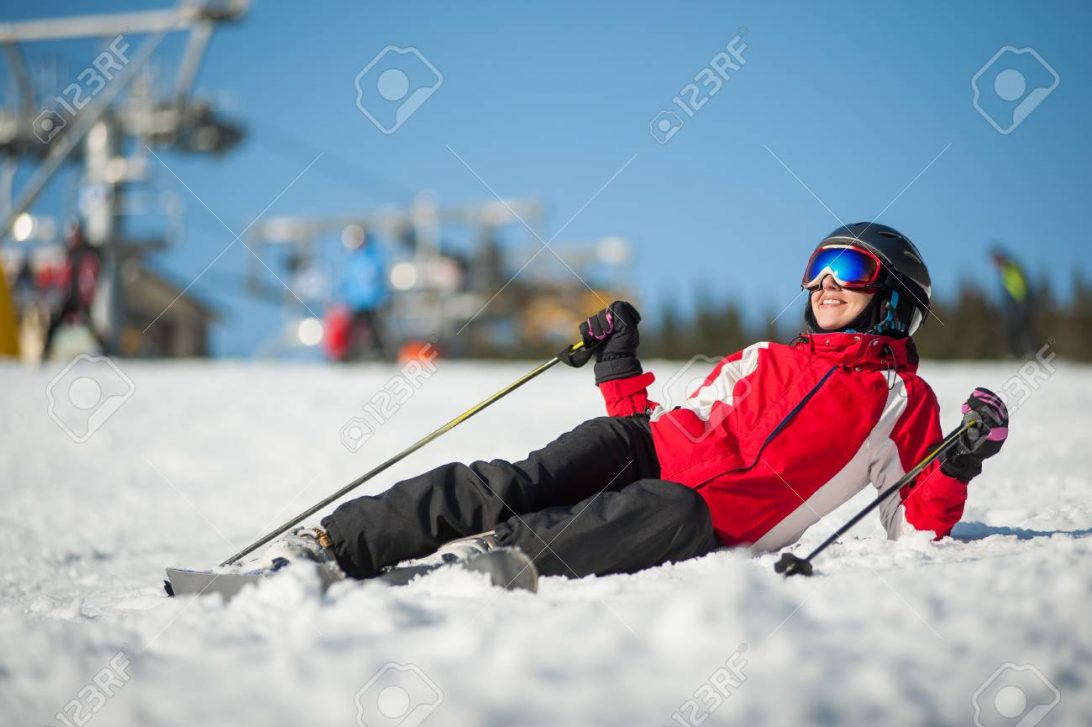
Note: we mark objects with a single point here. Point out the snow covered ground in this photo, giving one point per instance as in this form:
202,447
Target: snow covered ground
203,457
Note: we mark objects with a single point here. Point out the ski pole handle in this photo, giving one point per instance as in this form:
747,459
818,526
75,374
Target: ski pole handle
578,353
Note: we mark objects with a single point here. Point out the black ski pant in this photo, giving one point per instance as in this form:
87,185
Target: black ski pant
590,502
366,336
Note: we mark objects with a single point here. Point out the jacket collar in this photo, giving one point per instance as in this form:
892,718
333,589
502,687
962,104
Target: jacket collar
863,350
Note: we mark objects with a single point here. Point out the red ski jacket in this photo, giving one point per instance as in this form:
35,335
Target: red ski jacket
778,436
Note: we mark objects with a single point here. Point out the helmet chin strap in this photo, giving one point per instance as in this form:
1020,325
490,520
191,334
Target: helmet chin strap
875,314
890,325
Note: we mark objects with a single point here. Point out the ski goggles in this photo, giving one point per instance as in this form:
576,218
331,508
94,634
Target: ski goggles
851,267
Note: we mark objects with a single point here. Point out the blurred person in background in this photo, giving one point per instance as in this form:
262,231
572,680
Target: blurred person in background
1017,304
78,282
31,310
25,287
363,292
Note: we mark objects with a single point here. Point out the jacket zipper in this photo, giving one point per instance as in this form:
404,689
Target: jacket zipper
795,410
777,430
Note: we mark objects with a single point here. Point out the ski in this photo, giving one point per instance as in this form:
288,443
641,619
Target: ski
507,568
185,582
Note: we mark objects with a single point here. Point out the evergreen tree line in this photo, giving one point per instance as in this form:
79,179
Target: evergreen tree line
969,325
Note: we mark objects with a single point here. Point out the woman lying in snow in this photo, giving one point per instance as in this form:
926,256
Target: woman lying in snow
777,437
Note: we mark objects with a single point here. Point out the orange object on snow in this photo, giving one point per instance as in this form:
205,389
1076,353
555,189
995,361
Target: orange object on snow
422,351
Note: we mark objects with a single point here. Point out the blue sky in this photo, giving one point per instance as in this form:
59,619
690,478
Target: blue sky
868,107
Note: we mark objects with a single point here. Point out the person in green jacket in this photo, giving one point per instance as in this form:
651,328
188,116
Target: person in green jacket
1018,304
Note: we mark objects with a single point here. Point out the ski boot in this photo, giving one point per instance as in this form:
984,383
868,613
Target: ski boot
461,549
301,544
507,568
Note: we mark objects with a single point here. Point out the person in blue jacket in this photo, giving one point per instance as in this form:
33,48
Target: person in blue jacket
363,289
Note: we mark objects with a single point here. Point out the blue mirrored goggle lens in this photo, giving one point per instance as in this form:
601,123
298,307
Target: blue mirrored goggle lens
848,265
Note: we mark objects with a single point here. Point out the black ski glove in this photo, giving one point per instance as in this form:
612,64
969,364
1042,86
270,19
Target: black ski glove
611,336
964,460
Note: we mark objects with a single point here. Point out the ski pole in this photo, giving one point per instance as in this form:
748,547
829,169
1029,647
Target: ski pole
790,564
404,453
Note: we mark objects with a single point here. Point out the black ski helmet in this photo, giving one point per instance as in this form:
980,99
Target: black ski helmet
902,303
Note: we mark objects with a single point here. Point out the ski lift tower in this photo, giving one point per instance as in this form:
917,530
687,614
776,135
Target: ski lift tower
93,122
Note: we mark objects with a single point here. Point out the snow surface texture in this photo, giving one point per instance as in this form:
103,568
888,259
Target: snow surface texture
204,457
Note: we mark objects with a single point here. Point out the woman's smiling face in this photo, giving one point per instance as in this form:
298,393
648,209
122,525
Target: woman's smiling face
835,307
